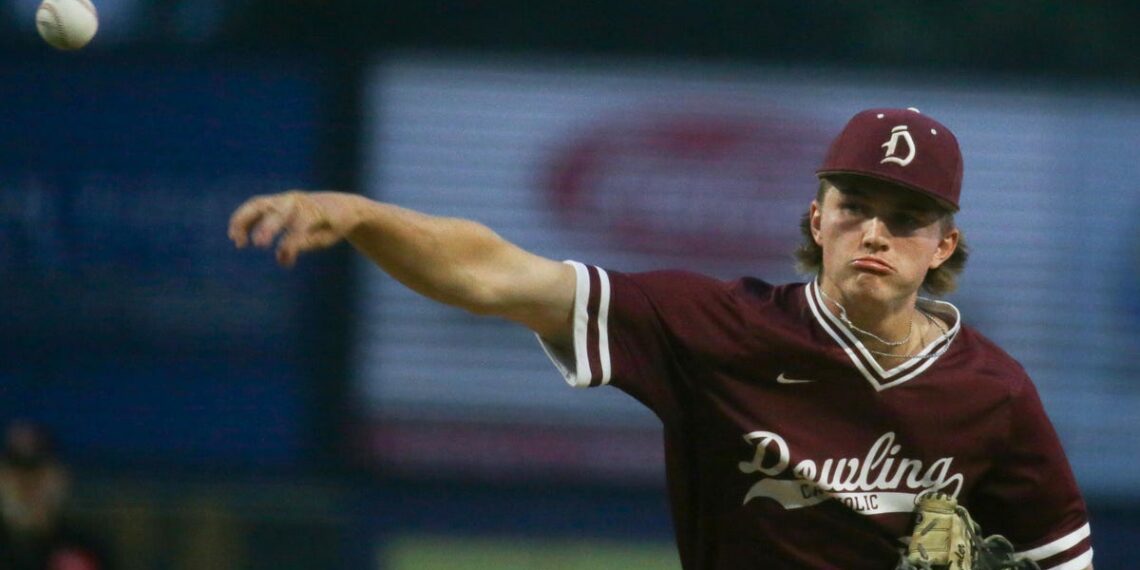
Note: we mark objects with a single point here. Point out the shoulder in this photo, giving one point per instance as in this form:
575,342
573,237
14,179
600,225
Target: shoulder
673,279
994,375
984,357
703,312
685,293
678,285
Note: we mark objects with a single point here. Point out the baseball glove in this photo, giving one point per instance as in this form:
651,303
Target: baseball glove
946,538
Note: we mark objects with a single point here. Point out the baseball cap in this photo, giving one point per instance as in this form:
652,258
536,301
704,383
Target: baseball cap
901,146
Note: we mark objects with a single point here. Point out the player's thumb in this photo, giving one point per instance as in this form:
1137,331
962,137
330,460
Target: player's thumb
293,244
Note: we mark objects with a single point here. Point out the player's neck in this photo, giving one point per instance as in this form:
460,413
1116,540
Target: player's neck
886,326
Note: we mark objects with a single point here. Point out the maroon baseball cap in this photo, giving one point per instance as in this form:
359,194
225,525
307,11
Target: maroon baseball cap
901,146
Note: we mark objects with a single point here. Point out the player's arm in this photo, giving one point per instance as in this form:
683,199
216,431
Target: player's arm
454,261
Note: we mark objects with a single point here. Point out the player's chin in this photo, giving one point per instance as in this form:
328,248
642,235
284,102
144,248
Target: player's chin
873,286
870,279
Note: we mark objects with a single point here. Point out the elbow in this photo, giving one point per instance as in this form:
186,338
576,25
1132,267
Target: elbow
484,299
480,309
475,296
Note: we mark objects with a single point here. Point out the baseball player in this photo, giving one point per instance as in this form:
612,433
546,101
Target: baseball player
803,423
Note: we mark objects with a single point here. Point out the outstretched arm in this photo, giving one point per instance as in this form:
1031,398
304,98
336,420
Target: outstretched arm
454,261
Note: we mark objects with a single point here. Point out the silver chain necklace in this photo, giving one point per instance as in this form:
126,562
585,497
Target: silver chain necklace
944,348
851,325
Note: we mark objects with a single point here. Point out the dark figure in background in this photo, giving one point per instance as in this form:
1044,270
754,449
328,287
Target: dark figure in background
34,487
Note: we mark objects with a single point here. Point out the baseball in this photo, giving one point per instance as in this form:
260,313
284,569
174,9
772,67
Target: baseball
67,24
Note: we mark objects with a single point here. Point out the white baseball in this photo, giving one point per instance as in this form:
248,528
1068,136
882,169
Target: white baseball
67,24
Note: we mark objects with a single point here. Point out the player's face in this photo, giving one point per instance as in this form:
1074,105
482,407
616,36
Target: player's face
878,240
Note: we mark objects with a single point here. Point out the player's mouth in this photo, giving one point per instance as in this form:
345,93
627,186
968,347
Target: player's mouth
872,265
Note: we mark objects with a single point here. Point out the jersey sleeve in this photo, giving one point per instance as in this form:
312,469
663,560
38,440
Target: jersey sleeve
1032,497
638,331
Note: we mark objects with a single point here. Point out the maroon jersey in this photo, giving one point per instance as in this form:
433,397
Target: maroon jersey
788,446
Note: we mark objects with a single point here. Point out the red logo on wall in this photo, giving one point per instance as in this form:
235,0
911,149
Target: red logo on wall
693,184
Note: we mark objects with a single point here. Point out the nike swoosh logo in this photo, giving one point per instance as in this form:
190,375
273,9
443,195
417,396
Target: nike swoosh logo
785,380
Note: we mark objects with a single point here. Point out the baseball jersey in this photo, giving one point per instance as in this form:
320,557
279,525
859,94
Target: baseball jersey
788,446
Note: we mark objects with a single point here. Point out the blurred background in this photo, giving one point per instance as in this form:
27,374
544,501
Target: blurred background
190,406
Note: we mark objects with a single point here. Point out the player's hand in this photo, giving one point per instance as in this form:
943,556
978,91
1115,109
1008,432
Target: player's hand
293,220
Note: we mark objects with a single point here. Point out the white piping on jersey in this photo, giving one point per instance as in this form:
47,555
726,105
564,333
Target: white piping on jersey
575,368
604,324
1079,563
581,325
835,328
1058,546
839,341
859,344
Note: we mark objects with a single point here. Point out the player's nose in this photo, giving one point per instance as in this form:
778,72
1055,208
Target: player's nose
875,233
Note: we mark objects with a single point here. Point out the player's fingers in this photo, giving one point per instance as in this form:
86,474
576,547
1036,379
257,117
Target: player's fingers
240,222
291,246
269,227
295,243
245,217
285,214
286,253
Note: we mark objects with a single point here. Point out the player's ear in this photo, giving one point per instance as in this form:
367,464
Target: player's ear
815,217
946,247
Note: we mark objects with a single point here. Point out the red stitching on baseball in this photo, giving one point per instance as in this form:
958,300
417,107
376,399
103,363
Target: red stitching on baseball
54,22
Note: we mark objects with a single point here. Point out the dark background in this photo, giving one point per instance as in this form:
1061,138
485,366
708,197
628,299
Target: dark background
200,393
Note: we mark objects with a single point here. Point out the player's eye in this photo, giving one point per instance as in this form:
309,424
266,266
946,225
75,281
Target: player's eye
919,217
907,220
910,221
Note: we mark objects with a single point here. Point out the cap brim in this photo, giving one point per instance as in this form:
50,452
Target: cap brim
946,204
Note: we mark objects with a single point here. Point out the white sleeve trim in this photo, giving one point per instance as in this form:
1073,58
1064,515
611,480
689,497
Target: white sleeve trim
1079,563
604,325
1058,546
575,368
562,362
